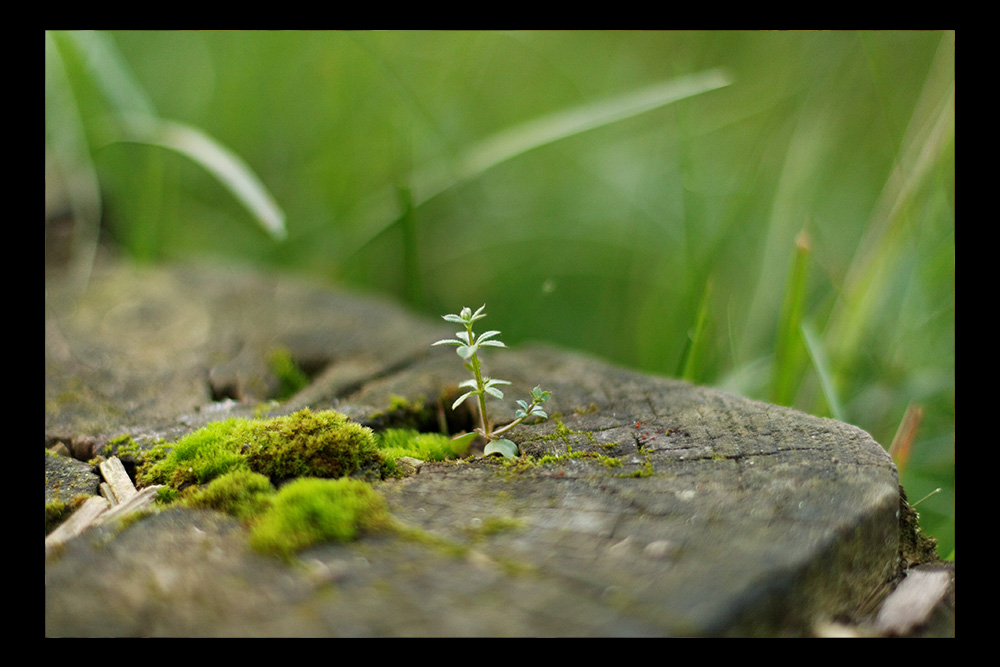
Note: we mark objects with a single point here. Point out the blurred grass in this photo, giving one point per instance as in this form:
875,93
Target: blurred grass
670,239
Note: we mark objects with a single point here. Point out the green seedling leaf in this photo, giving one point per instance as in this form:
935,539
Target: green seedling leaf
447,341
501,446
460,443
540,395
461,398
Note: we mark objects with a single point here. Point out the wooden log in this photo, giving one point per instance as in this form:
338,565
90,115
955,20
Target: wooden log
644,506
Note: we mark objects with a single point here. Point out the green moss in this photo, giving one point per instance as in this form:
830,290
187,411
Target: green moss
306,443
311,444
131,519
290,376
125,447
645,471
564,433
495,525
397,402
197,458
406,414
525,463
55,513
396,442
311,510
915,547
241,493
233,466
166,495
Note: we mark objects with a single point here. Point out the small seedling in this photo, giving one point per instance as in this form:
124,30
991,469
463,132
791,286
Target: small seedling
468,346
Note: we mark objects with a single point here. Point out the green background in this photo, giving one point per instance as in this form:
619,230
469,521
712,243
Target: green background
788,236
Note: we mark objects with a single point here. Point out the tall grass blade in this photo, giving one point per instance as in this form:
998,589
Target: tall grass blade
223,164
822,365
129,107
692,361
382,210
67,145
928,137
412,272
107,69
539,132
789,350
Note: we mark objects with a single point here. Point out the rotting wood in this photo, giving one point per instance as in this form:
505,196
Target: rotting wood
118,480
724,517
76,524
139,501
120,500
913,602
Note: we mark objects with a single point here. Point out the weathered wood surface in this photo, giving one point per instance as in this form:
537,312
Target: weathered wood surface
739,518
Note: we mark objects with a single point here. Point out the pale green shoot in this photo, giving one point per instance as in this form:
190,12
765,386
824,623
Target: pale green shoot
468,344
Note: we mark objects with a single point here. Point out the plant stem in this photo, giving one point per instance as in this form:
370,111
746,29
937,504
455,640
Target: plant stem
518,420
481,386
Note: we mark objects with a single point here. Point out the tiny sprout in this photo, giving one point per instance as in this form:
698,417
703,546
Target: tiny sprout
468,344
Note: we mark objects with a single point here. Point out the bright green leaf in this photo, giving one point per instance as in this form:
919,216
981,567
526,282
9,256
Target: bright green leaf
501,446
460,443
461,398
447,341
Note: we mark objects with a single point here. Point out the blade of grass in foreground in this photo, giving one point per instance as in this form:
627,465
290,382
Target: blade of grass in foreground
66,144
382,211
99,61
215,158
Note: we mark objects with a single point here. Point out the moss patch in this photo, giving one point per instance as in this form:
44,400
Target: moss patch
291,377
311,444
915,547
310,510
241,493
306,443
319,462
197,458
396,442
55,513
